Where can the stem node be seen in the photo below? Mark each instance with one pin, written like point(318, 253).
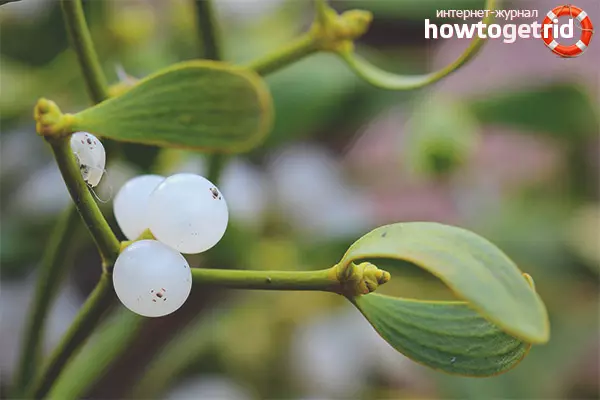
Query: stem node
point(356, 280)
point(336, 32)
point(50, 121)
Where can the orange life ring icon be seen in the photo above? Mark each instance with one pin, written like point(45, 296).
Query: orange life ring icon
point(587, 30)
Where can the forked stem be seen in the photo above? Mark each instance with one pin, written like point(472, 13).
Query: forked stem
point(296, 50)
point(329, 32)
point(53, 265)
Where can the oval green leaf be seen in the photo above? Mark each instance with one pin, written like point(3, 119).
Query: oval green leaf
point(447, 336)
point(204, 105)
point(475, 269)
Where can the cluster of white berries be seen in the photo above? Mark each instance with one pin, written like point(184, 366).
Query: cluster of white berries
point(186, 213)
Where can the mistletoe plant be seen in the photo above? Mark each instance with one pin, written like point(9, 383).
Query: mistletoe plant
point(217, 108)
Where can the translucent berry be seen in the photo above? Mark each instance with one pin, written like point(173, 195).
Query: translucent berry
point(152, 279)
point(188, 213)
point(131, 203)
point(90, 156)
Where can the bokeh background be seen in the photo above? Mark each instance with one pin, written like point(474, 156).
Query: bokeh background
point(507, 146)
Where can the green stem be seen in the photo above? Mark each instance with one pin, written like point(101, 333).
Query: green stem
point(54, 265)
point(86, 320)
point(387, 80)
point(106, 241)
point(329, 32)
point(81, 40)
point(207, 26)
point(198, 336)
point(211, 49)
point(296, 50)
point(216, 163)
point(51, 272)
point(321, 280)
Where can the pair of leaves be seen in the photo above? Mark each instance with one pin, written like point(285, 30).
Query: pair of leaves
point(487, 334)
point(203, 105)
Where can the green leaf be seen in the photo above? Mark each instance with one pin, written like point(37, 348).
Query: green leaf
point(574, 331)
point(203, 105)
point(475, 269)
point(447, 336)
point(562, 110)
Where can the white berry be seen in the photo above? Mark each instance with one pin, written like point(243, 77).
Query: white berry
point(152, 279)
point(131, 204)
point(188, 213)
point(90, 156)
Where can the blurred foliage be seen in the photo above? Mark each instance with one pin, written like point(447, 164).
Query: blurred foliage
point(536, 109)
point(581, 233)
point(302, 110)
point(115, 334)
point(39, 39)
point(441, 137)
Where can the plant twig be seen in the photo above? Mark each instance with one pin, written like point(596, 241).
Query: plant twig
point(81, 41)
point(322, 280)
point(184, 348)
point(216, 164)
point(330, 32)
point(296, 50)
point(53, 266)
point(106, 241)
point(51, 272)
point(387, 80)
point(212, 49)
point(346, 279)
point(207, 27)
point(86, 320)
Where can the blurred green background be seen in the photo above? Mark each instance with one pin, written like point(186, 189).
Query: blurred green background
point(507, 146)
